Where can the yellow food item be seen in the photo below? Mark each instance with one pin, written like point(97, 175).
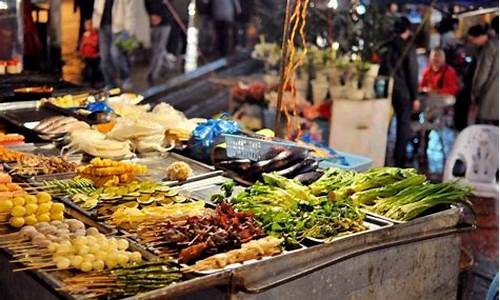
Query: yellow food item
point(107, 172)
point(105, 127)
point(44, 208)
point(18, 211)
point(178, 170)
point(57, 208)
point(59, 216)
point(31, 199)
point(43, 197)
point(19, 201)
point(31, 208)
point(16, 222)
point(43, 218)
point(30, 220)
point(6, 205)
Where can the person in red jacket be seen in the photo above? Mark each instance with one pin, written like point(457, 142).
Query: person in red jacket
point(439, 78)
point(89, 50)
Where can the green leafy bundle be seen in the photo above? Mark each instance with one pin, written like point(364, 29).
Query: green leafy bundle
point(286, 208)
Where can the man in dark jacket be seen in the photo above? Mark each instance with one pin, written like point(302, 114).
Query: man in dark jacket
point(484, 91)
point(160, 21)
point(400, 62)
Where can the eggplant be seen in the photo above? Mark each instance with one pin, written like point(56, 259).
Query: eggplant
point(236, 165)
point(283, 160)
point(307, 165)
point(308, 178)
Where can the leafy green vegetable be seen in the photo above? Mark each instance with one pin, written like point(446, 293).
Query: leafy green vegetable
point(286, 208)
point(400, 194)
point(226, 192)
point(415, 200)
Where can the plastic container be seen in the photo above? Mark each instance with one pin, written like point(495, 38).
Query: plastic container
point(348, 161)
point(255, 149)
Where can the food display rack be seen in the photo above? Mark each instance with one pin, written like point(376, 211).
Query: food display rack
point(425, 250)
point(362, 266)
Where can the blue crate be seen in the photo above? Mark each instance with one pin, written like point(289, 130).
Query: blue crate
point(347, 161)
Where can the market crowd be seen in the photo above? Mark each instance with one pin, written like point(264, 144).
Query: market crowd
point(110, 30)
point(470, 82)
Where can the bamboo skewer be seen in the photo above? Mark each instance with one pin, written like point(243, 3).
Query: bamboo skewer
point(34, 267)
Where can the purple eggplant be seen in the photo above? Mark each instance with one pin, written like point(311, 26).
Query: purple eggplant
point(305, 166)
point(308, 178)
point(235, 165)
point(281, 161)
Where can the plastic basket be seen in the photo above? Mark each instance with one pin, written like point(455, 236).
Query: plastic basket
point(347, 161)
point(255, 149)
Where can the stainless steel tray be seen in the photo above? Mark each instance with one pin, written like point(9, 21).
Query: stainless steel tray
point(157, 164)
point(204, 189)
point(380, 217)
point(54, 279)
point(373, 224)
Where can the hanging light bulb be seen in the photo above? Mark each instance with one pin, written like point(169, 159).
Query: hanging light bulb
point(334, 4)
point(360, 9)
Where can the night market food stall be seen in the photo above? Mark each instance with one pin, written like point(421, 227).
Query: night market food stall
point(121, 199)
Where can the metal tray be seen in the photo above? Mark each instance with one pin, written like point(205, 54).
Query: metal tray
point(373, 224)
point(106, 229)
point(245, 263)
point(157, 163)
point(53, 279)
point(38, 178)
point(77, 214)
point(204, 189)
point(45, 149)
point(380, 217)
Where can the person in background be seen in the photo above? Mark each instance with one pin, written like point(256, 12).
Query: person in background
point(204, 20)
point(484, 95)
point(463, 98)
point(393, 10)
point(86, 8)
point(33, 47)
point(178, 39)
point(400, 63)
point(391, 15)
point(224, 13)
point(116, 20)
point(242, 21)
point(447, 28)
point(439, 78)
point(160, 21)
point(89, 50)
point(448, 40)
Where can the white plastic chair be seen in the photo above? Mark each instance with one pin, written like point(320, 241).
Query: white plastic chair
point(477, 148)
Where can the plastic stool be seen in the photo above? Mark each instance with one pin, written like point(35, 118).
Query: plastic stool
point(476, 152)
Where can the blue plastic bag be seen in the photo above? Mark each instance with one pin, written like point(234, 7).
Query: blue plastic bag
point(209, 134)
point(98, 106)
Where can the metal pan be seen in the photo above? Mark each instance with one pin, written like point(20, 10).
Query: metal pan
point(429, 213)
point(158, 163)
point(245, 263)
point(373, 224)
point(380, 217)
